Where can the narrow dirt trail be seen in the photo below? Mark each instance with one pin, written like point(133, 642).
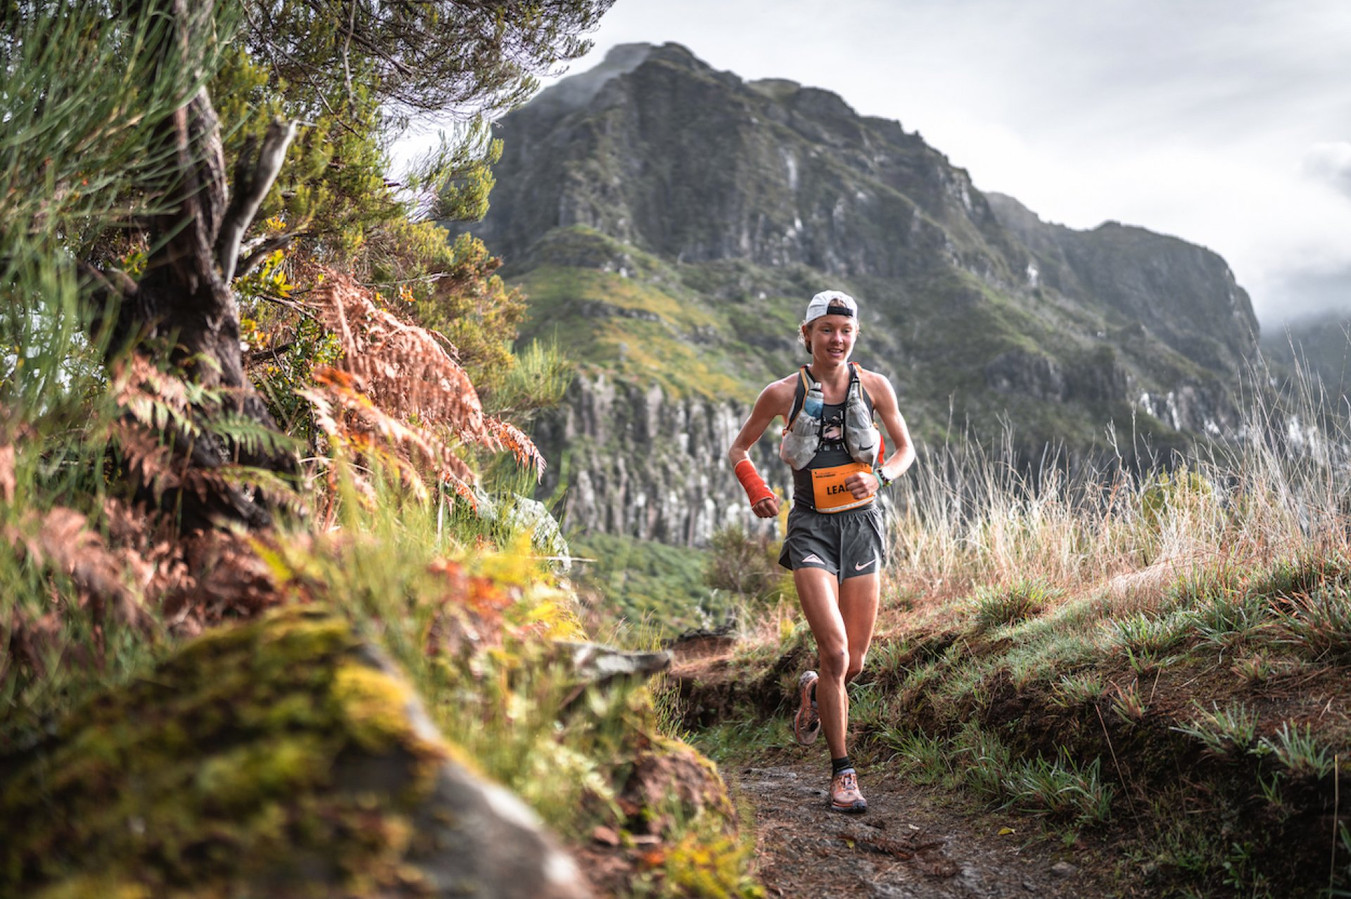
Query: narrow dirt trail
point(913, 843)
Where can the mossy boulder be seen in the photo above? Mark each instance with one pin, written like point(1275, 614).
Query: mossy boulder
point(283, 757)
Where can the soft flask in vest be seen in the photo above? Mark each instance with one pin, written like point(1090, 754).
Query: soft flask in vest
point(803, 434)
point(861, 437)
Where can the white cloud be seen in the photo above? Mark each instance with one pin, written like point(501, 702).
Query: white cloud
point(1330, 161)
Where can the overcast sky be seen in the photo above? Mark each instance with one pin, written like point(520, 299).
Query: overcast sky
point(1224, 122)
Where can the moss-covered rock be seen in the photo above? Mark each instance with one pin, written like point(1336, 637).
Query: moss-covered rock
point(283, 757)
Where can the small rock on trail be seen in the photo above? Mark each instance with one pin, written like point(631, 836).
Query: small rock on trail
point(913, 842)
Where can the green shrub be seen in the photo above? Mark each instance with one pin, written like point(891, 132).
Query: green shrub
point(1172, 493)
point(747, 565)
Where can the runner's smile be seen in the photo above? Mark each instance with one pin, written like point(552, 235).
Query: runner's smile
point(835, 335)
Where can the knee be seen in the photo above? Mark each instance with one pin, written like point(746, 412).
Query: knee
point(834, 663)
point(855, 667)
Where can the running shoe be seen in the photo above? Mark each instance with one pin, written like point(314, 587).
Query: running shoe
point(806, 723)
point(844, 794)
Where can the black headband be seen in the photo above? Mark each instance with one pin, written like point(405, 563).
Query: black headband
point(839, 310)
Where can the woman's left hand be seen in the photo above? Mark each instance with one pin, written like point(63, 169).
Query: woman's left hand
point(862, 484)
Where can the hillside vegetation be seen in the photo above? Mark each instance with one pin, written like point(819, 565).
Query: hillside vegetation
point(275, 619)
point(1154, 665)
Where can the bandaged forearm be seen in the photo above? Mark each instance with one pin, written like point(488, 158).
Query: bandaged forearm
point(756, 488)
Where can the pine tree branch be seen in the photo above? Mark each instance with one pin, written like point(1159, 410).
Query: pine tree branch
point(253, 179)
point(258, 250)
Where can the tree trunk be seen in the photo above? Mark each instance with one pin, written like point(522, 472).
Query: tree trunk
point(184, 300)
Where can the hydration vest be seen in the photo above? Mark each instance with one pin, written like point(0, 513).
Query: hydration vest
point(802, 436)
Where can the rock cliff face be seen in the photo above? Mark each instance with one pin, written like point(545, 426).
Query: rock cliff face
point(669, 222)
point(1184, 293)
point(641, 463)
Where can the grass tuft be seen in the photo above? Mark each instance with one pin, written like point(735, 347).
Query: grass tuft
point(1224, 731)
point(1317, 624)
point(1062, 788)
point(1073, 690)
point(1019, 602)
point(1303, 755)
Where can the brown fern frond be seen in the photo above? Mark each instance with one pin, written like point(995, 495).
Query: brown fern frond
point(62, 540)
point(351, 421)
point(153, 406)
point(147, 548)
point(325, 417)
point(149, 460)
point(402, 367)
point(155, 399)
point(174, 432)
point(398, 395)
point(515, 441)
point(374, 420)
point(232, 582)
point(463, 491)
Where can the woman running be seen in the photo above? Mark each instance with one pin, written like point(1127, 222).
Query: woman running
point(835, 545)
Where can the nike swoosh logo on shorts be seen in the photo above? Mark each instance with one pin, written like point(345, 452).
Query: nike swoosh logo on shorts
point(813, 557)
point(864, 565)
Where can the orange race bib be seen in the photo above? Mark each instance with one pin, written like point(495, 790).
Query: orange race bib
point(828, 491)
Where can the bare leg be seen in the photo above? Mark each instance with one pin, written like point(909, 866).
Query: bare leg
point(858, 607)
point(818, 593)
point(841, 617)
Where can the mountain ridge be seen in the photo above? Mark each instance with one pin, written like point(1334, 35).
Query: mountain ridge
point(669, 222)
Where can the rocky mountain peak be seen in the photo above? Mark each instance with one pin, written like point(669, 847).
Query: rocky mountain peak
point(669, 220)
point(657, 149)
point(578, 90)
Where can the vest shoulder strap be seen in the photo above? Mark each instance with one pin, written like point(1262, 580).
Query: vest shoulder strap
point(804, 381)
point(854, 370)
point(799, 396)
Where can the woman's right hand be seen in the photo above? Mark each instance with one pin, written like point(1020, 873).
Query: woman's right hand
point(767, 507)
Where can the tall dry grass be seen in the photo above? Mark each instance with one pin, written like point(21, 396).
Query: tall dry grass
point(1278, 487)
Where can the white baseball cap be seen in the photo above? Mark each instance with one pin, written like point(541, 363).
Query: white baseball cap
point(830, 302)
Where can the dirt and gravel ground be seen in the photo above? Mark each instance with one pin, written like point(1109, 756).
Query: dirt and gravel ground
point(913, 842)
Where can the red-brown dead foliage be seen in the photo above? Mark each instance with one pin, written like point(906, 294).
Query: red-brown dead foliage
point(224, 579)
point(468, 617)
point(398, 393)
point(61, 540)
point(143, 563)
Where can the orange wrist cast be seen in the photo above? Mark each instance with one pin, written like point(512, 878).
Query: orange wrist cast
point(756, 488)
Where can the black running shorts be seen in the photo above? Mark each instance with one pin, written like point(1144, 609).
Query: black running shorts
point(847, 544)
